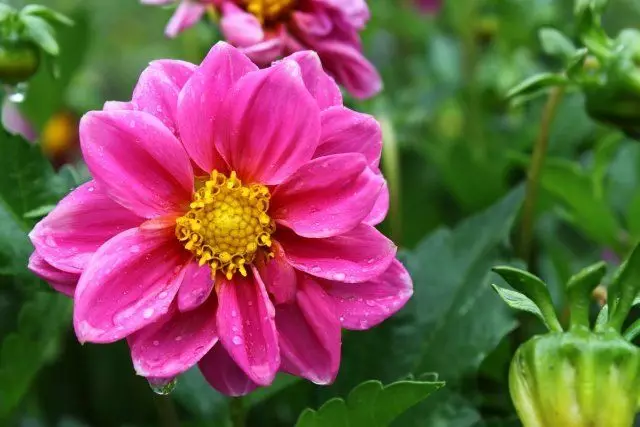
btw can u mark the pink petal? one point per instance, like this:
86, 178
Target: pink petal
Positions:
272, 126
15, 122
356, 256
158, 88
356, 12
350, 68
129, 284
365, 305
117, 105
81, 222
196, 286
224, 374
186, 15
347, 131
309, 334
321, 86
59, 280
278, 276
380, 208
265, 52
137, 160
200, 101
247, 328
328, 196
240, 28
168, 348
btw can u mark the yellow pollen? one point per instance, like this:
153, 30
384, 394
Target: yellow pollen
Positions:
227, 224
269, 11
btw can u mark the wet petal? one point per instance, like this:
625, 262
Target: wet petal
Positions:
129, 284
224, 374
247, 328
81, 222
309, 334
186, 15
278, 276
272, 124
328, 196
320, 85
200, 101
365, 305
196, 286
380, 208
168, 348
137, 160
62, 281
356, 256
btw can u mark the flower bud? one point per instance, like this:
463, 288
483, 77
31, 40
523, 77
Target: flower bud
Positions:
576, 379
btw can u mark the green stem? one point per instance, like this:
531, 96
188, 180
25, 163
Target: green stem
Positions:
167, 414
236, 412
535, 172
632, 331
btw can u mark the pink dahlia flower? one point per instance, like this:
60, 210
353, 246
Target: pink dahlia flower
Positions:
265, 30
229, 223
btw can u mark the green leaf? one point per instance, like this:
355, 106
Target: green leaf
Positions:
453, 268
369, 405
41, 33
28, 183
625, 289
603, 155
6, 11
519, 301
535, 289
39, 212
46, 14
555, 43
536, 84
579, 290
583, 208
41, 324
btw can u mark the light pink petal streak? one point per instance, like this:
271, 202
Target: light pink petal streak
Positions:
117, 105
272, 124
309, 334
129, 284
81, 222
278, 276
196, 286
365, 305
200, 101
137, 160
320, 85
168, 348
186, 15
356, 256
328, 196
247, 328
347, 131
224, 374
59, 280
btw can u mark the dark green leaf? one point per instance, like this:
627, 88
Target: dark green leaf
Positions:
579, 290
369, 405
536, 84
625, 289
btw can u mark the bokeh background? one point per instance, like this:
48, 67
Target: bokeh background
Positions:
455, 154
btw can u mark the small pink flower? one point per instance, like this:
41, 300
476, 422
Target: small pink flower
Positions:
229, 223
266, 30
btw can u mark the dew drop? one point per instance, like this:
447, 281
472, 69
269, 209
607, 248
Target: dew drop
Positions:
370, 303
156, 343
90, 189
162, 386
50, 241
234, 313
339, 276
147, 313
162, 294
236, 340
134, 249
178, 338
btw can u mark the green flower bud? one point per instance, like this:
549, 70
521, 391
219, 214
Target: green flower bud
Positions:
18, 61
576, 379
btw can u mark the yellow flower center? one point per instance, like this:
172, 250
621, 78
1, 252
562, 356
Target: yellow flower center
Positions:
269, 11
227, 224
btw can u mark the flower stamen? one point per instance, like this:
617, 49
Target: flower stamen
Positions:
227, 224
269, 11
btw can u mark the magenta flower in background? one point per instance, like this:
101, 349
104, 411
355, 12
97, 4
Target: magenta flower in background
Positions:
266, 30
15, 122
429, 6
229, 223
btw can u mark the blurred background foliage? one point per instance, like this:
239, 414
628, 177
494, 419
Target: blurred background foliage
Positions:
456, 155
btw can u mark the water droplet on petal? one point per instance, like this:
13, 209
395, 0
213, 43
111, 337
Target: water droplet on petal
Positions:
156, 343
162, 386
147, 313
339, 276
370, 303
234, 313
236, 340
178, 338
162, 294
134, 249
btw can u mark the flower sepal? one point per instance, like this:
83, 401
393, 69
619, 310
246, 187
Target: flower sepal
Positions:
576, 379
